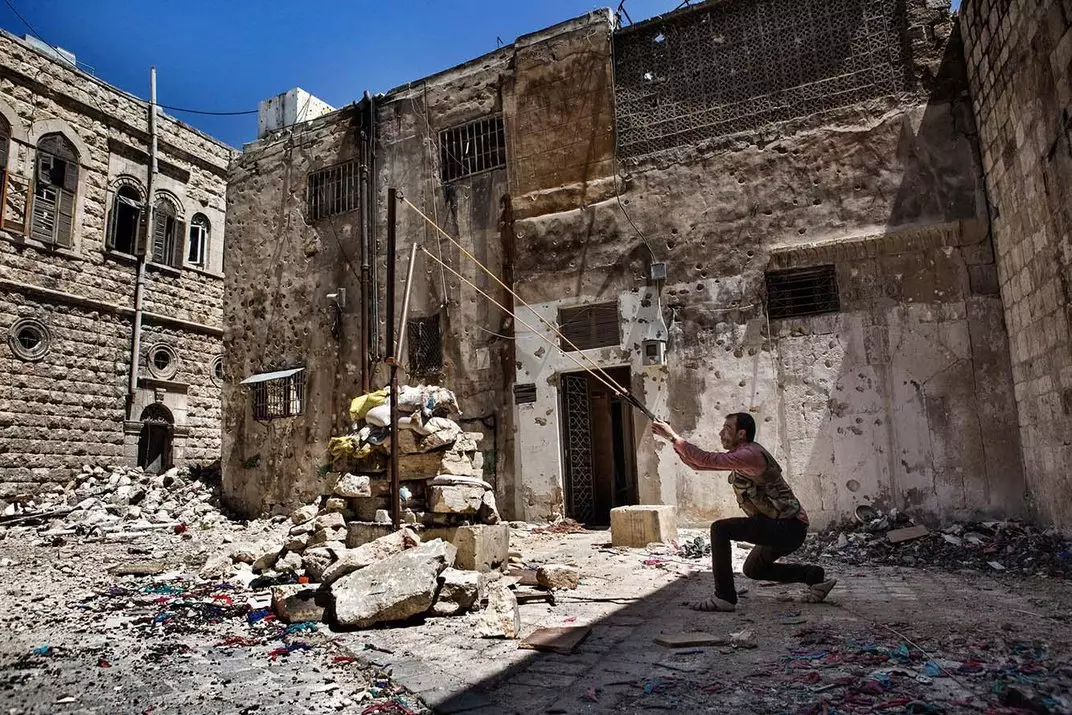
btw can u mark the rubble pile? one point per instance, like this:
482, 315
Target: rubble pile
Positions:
989, 545
440, 465
125, 499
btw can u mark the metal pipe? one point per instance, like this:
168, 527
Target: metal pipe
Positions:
139, 285
374, 279
366, 327
402, 330
392, 201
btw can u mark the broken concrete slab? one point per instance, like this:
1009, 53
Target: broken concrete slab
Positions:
395, 589
330, 520
638, 526
558, 577
299, 603
502, 617
316, 561
459, 592
351, 560
455, 500
483, 547
267, 558
303, 514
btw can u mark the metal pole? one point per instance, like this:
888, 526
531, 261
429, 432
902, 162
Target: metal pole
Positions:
391, 359
402, 330
366, 196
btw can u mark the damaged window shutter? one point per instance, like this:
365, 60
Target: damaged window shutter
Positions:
177, 234
70, 176
65, 219
142, 232
160, 222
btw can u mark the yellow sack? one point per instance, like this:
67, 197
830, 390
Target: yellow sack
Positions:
360, 406
340, 447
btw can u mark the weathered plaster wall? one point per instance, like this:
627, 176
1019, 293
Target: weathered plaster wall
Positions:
917, 329
1020, 67
69, 408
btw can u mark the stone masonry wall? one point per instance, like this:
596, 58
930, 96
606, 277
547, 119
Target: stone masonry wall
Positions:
1020, 67
70, 407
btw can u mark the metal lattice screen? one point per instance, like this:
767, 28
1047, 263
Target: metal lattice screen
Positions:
424, 343
282, 397
735, 66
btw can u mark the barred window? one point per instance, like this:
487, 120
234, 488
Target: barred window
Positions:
472, 148
277, 394
332, 191
802, 291
590, 326
425, 346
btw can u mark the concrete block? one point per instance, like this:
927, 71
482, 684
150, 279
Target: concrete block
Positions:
642, 525
455, 500
480, 548
359, 533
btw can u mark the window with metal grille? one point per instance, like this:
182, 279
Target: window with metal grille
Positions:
802, 291
52, 216
332, 191
590, 326
424, 345
472, 148
278, 396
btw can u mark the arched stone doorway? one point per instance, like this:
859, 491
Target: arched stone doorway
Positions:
154, 444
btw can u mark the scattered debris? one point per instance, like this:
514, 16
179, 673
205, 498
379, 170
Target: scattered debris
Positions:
908, 533
690, 639
563, 640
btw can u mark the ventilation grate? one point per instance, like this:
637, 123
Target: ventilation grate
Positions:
590, 326
524, 393
425, 346
802, 291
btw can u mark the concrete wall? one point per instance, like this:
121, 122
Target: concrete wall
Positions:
888, 401
70, 407
1020, 66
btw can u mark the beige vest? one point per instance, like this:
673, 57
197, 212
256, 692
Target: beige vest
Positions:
768, 494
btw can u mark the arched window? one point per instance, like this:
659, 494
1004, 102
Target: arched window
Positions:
168, 231
125, 220
55, 184
197, 246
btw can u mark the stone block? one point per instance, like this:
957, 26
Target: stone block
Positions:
558, 577
502, 618
299, 603
362, 532
382, 548
455, 500
482, 547
395, 589
641, 525
330, 520
303, 514
459, 592
353, 485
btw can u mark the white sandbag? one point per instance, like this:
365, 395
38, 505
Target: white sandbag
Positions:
379, 416
411, 399
442, 431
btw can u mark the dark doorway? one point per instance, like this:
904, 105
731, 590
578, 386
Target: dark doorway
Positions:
598, 445
154, 444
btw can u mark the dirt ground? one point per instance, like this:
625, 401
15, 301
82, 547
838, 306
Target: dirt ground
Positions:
80, 639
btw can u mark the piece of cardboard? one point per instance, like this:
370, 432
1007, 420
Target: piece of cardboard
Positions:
690, 639
907, 534
562, 640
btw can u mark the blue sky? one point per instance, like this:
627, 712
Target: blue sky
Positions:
227, 55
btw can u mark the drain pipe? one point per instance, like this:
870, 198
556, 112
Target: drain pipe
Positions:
366, 326
139, 286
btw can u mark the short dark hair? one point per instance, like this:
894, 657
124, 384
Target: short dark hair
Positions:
744, 421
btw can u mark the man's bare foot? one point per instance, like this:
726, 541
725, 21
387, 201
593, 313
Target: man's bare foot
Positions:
713, 604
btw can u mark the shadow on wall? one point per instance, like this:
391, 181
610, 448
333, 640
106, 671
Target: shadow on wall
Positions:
904, 397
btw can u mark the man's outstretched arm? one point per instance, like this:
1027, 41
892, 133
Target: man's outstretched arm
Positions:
746, 461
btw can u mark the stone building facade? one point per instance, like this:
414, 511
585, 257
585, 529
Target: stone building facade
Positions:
75, 235
743, 205
1019, 56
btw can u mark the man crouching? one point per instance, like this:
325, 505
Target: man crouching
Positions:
776, 522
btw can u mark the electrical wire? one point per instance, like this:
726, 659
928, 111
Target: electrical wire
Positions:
37, 34
207, 112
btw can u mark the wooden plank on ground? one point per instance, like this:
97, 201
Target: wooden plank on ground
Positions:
907, 534
558, 640
690, 639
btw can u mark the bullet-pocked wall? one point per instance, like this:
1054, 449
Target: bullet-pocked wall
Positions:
757, 137
1019, 58
70, 144
462, 146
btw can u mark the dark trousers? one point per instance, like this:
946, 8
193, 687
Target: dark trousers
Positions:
773, 539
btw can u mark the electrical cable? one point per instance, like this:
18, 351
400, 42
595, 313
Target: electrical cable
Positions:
207, 112
606, 379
